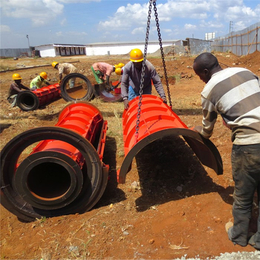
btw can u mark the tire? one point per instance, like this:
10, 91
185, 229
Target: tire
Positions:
89, 88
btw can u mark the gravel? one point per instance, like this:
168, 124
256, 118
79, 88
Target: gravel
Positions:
229, 256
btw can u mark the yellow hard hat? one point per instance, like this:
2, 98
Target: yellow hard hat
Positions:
120, 65
16, 76
54, 64
136, 55
118, 71
43, 75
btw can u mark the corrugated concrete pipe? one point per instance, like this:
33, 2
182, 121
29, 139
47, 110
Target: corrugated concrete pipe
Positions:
157, 120
64, 174
32, 100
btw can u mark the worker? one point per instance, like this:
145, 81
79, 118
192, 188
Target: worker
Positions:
38, 81
65, 68
234, 93
15, 88
133, 70
102, 72
131, 93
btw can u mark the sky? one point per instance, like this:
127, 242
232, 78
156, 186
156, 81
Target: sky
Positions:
27, 23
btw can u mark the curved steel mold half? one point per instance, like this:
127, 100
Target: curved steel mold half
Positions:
64, 174
157, 120
31, 100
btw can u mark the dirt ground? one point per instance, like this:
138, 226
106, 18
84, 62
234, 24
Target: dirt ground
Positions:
170, 206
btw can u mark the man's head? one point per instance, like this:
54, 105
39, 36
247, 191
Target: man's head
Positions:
43, 75
54, 64
136, 56
205, 65
17, 78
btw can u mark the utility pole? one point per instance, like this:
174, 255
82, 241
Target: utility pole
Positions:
27, 36
230, 26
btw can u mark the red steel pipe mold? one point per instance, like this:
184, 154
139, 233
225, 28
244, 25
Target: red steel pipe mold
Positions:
64, 173
31, 100
157, 120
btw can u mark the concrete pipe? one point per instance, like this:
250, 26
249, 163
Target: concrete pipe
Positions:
31, 100
64, 174
157, 120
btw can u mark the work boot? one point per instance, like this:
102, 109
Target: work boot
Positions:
228, 226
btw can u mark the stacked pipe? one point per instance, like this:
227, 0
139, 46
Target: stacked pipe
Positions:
64, 174
31, 100
157, 120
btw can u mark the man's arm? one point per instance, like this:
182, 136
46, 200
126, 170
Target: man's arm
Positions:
209, 118
47, 83
124, 88
22, 86
158, 84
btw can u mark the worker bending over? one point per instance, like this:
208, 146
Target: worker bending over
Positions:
102, 71
65, 68
38, 81
132, 72
234, 93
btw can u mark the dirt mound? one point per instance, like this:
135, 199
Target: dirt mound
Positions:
170, 206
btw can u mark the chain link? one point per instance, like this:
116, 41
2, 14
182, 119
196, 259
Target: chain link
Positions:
143, 72
143, 64
162, 53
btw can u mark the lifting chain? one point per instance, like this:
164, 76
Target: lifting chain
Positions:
162, 54
143, 64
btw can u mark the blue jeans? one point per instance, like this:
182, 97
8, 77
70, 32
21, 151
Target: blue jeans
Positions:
131, 93
246, 175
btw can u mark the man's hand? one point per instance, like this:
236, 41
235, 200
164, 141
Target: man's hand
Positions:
126, 105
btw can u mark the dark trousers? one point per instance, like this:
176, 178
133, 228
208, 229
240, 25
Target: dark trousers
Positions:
246, 175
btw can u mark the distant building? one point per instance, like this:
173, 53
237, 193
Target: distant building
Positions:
53, 50
119, 48
210, 36
105, 48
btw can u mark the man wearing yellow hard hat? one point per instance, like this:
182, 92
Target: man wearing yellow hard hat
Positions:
65, 68
102, 71
15, 88
132, 70
38, 81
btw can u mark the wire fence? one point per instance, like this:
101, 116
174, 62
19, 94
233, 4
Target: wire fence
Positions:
242, 42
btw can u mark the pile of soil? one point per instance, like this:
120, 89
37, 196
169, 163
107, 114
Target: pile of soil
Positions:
170, 206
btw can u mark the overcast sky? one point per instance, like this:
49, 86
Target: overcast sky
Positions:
93, 21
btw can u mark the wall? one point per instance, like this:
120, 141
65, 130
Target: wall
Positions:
15, 52
241, 42
46, 50
197, 46
121, 48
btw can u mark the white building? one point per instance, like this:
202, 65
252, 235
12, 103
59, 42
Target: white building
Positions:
105, 48
116, 48
53, 50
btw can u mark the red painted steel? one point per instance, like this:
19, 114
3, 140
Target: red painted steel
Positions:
156, 121
64, 173
83, 118
48, 94
155, 116
31, 100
